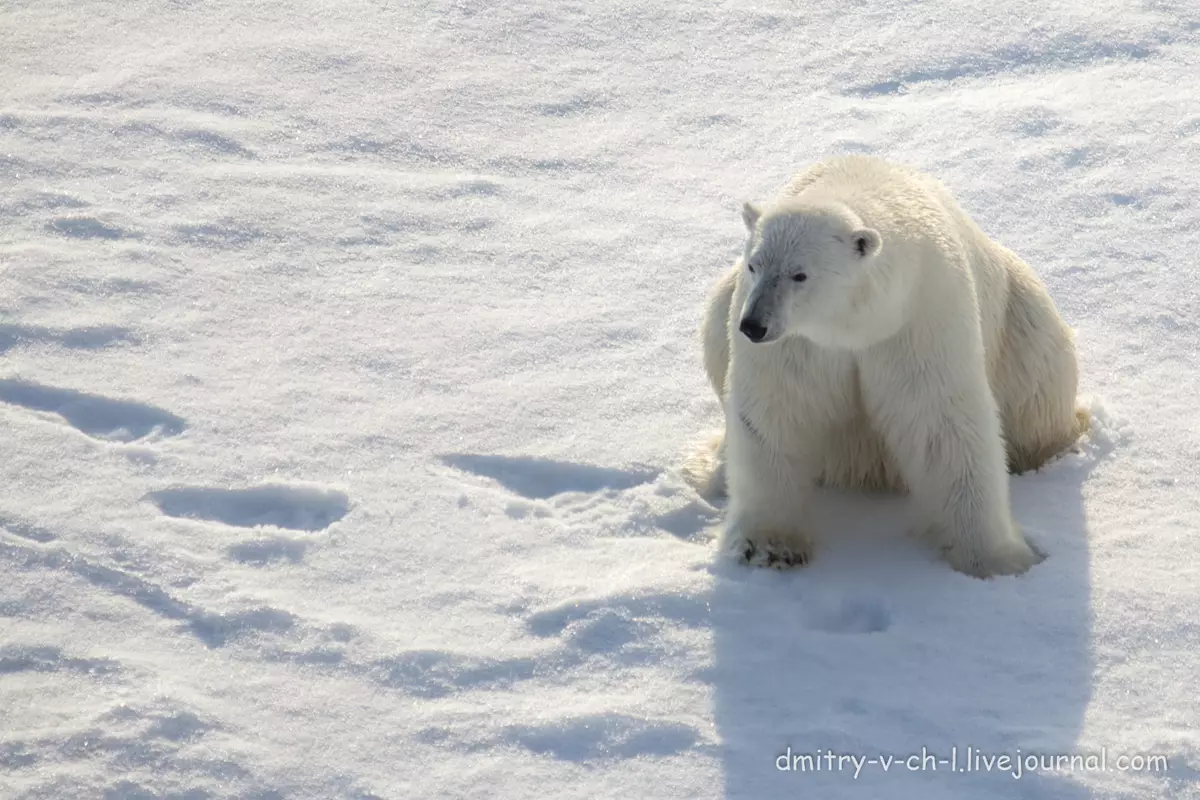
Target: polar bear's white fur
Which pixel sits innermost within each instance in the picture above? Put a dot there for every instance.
(873, 336)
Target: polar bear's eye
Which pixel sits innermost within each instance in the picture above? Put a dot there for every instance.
(751, 268)
(799, 277)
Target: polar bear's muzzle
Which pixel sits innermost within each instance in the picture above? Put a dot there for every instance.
(752, 329)
(759, 313)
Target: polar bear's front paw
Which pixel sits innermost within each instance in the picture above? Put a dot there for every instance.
(772, 551)
(1009, 558)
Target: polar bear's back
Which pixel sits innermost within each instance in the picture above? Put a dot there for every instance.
(895, 200)
(891, 198)
(920, 221)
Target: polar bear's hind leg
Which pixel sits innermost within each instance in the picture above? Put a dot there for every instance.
(1036, 382)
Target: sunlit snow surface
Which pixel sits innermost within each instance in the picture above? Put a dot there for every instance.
(348, 354)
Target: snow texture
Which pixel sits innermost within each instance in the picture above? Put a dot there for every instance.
(348, 354)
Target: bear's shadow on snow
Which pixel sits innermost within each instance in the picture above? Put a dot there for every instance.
(877, 648)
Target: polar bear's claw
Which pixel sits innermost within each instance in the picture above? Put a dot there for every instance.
(773, 554)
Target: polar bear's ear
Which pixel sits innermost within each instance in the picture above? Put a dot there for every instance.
(865, 241)
(750, 215)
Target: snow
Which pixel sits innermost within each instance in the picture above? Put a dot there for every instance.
(348, 355)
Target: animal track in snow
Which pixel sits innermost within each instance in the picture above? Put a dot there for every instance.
(49, 658)
(540, 478)
(215, 142)
(603, 736)
(214, 629)
(88, 338)
(87, 228)
(97, 416)
(298, 508)
(1058, 54)
(262, 552)
(613, 502)
(222, 234)
(133, 740)
(26, 530)
(851, 615)
(432, 673)
(626, 629)
(607, 736)
(575, 106)
(671, 609)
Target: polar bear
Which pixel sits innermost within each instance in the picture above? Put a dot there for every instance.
(872, 336)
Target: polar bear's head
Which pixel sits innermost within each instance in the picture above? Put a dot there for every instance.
(809, 272)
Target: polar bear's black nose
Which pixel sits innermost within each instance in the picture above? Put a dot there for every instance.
(755, 331)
